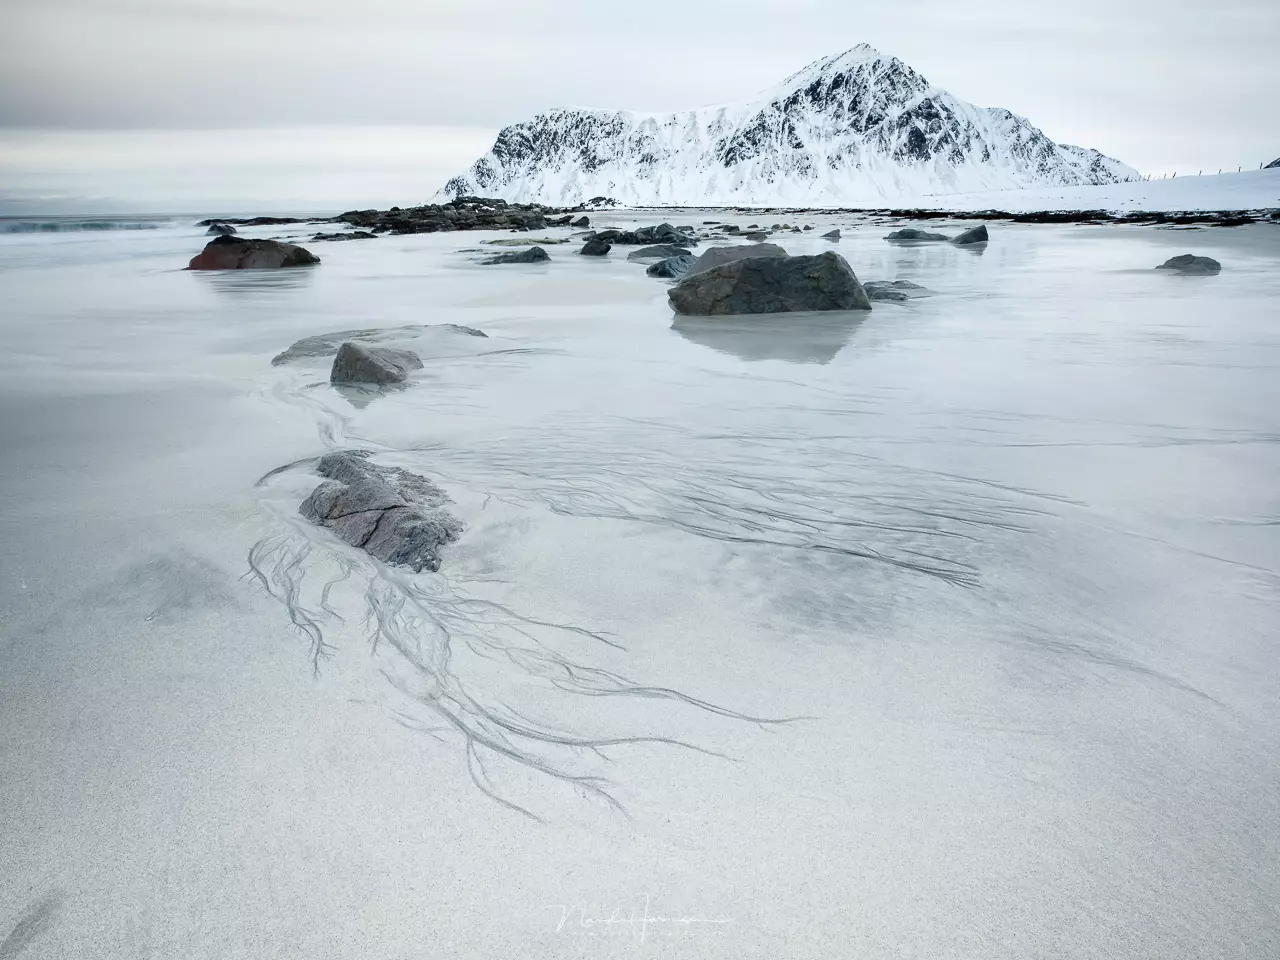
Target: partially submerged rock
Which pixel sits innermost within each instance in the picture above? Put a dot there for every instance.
(393, 515)
(581, 222)
(663, 251)
(220, 230)
(976, 234)
(1192, 265)
(359, 363)
(833, 235)
(771, 285)
(913, 235)
(532, 255)
(237, 253)
(323, 345)
(757, 235)
(349, 235)
(595, 247)
(721, 255)
(894, 290)
(672, 268)
(522, 242)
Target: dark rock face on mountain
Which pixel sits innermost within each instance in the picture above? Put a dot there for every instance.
(358, 363)
(1191, 265)
(531, 255)
(393, 515)
(672, 268)
(912, 235)
(846, 130)
(1273, 165)
(237, 253)
(771, 285)
(716, 256)
(976, 234)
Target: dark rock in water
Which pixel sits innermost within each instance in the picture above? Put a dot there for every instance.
(324, 344)
(757, 236)
(912, 235)
(663, 251)
(721, 255)
(1192, 265)
(771, 285)
(260, 221)
(220, 230)
(731, 228)
(833, 235)
(237, 253)
(581, 222)
(531, 255)
(353, 235)
(595, 247)
(672, 268)
(894, 290)
(358, 363)
(807, 228)
(795, 230)
(393, 515)
(976, 234)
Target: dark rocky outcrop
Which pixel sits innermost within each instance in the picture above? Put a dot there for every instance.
(976, 234)
(662, 233)
(359, 363)
(771, 285)
(721, 255)
(237, 253)
(531, 255)
(464, 213)
(662, 251)
(595, 247)
(672, 268)
(220, 230)
(894, 290)
(393, 515)
(352, 235)
(1191, 265)
(912, 235)
(261, 221)
(324, 344)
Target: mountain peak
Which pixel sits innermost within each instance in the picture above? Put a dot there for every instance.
(854, 127)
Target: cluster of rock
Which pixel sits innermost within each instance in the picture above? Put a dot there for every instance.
(973, 235)
(464, 213)
(346, 235)
(393, 515)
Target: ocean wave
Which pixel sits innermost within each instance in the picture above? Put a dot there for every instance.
(73, 224)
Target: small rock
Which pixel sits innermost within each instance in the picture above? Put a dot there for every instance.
(894, 290)
(771, 285)
(357, 363)
(1191, 265)
(663, 251)
(807, 228)
(236, 253)
(976, 234)
(220, 230)
(757, 236)
(595, 247)
(532, 255)
(581, 222)
(833, 235)
(672, 268)
(912, 235)
(393, 515)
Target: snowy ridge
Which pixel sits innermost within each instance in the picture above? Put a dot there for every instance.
(858, 127)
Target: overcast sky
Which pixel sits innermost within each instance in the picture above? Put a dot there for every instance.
(1161, 84)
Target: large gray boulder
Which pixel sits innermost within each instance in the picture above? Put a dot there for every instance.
(531, 255)
(1191, 265)
(673, 268)
(393, 515)
(237, 253)
(912, 235)
(596, 248)
(662, 251)
(718, 256)
(771, 285)
(358, 363)
(976, 234)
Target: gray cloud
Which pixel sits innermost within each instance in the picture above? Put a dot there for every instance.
(1162, 84)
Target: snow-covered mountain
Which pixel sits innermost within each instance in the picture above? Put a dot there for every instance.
(855, 128)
